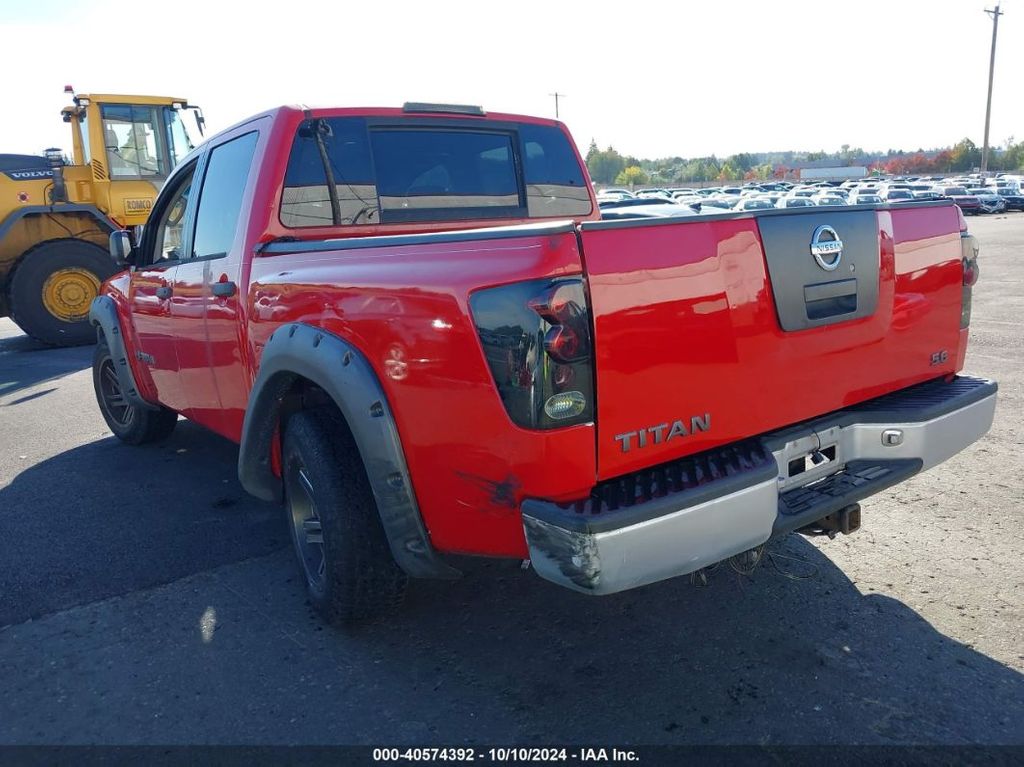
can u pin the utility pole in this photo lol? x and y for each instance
(557, 96)
(995, 14)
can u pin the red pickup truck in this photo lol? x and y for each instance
(427, 343)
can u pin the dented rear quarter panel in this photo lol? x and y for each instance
(694, 324)
(406, 308)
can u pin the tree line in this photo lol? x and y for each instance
(609, 167)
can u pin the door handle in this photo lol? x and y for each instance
(164, 291)
(223, 289)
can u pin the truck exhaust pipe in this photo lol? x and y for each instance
(59, 193)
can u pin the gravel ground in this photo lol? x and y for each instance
(145, 599)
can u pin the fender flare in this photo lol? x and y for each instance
(103, 316)
(343, 372)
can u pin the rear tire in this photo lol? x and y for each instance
(129, 423)
(52, 288)
(336, 531)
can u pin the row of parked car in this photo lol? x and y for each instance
(973, 194)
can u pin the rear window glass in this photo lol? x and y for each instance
(392, 174)
(431, 175)
(344, 143)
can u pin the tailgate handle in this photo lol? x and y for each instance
(829, 290)
(830, 299)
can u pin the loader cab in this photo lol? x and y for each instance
(126, 146)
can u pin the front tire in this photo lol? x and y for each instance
(339, 541)
(129, 423)
(53, 287)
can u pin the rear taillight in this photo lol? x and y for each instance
(971, 272)
(537, 342)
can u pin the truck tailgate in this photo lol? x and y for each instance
(707, 331)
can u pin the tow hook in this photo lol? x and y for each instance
(845, 521)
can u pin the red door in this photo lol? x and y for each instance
(187, 309)
(149, 294)
(152, 287)
(205, 305)
(226, 345)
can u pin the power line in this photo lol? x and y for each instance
(995, 14)
(557, 96)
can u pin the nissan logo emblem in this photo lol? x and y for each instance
(827, 248)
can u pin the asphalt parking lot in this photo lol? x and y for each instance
(145, 599)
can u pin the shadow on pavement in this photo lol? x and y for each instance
(743, 660)
(106, 519)
(25, 362)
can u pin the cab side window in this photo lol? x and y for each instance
(170, 226)
(220, 200)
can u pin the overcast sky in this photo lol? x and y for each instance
(651, 78)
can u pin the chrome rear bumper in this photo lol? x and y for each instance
(679, 517)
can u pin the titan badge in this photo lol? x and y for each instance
(655, 435)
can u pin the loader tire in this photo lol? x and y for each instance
(53, 287)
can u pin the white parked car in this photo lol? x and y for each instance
(897, 196)
(754, 203)
(795, 202)
(829, 199)
(622, 194)
(655, 194)
(855, 195)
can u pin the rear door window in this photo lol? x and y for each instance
(220, 199)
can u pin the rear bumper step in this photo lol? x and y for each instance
(678, 517)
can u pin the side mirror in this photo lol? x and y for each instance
(120, 247)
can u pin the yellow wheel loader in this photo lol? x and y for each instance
(55, 217)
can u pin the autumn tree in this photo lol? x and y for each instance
(942, 162)
(965, 155)
(632, 176)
